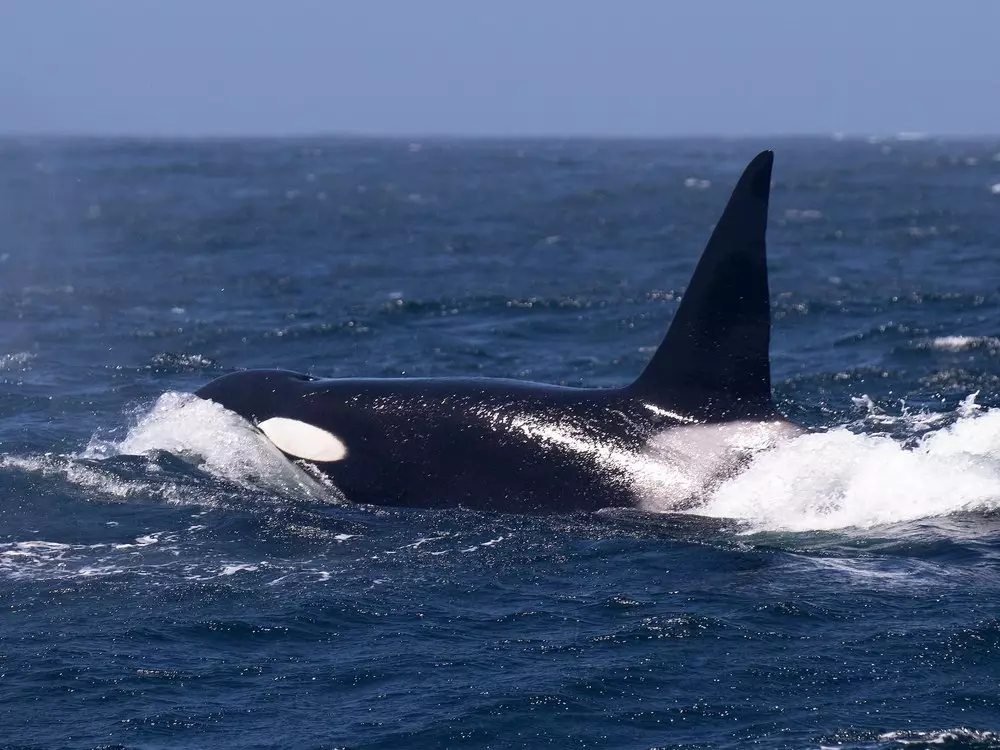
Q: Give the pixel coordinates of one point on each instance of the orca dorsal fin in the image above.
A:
(714, 362)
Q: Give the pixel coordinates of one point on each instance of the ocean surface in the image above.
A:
(168, 581)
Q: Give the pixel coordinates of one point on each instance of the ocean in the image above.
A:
(168, 581)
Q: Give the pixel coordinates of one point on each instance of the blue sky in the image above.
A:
(512, 67)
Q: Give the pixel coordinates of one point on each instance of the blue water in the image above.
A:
(167, 581)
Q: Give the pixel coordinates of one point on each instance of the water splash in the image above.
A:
(217, 441)
(962, 343)
(840, 478)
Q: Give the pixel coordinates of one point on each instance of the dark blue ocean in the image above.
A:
(168, 581)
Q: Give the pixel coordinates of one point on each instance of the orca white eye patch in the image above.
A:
(303, 440)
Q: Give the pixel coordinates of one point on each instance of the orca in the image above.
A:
(699, 408)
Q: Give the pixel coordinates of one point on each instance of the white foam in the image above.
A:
(960, 737)
(841, 479)
(216, 440)
(228, 570)
(38, 559)
(165, 556)
(695, 183)
(89, 476)
(962, 343)
(15, 361)
(803, 214)
(681, 464)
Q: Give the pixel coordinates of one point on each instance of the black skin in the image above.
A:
(445, 442)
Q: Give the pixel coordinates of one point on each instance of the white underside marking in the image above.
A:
(303, 440)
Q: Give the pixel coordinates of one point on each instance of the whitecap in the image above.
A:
(15, 361)
(963, 343)
(803, 214)
(694, 183)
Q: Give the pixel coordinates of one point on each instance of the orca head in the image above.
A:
(256, 395)
(267, 399)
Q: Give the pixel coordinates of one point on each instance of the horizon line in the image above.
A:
(835, 136)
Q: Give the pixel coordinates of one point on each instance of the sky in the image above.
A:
(501, 67)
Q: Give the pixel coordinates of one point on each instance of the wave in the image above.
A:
(843, 478)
